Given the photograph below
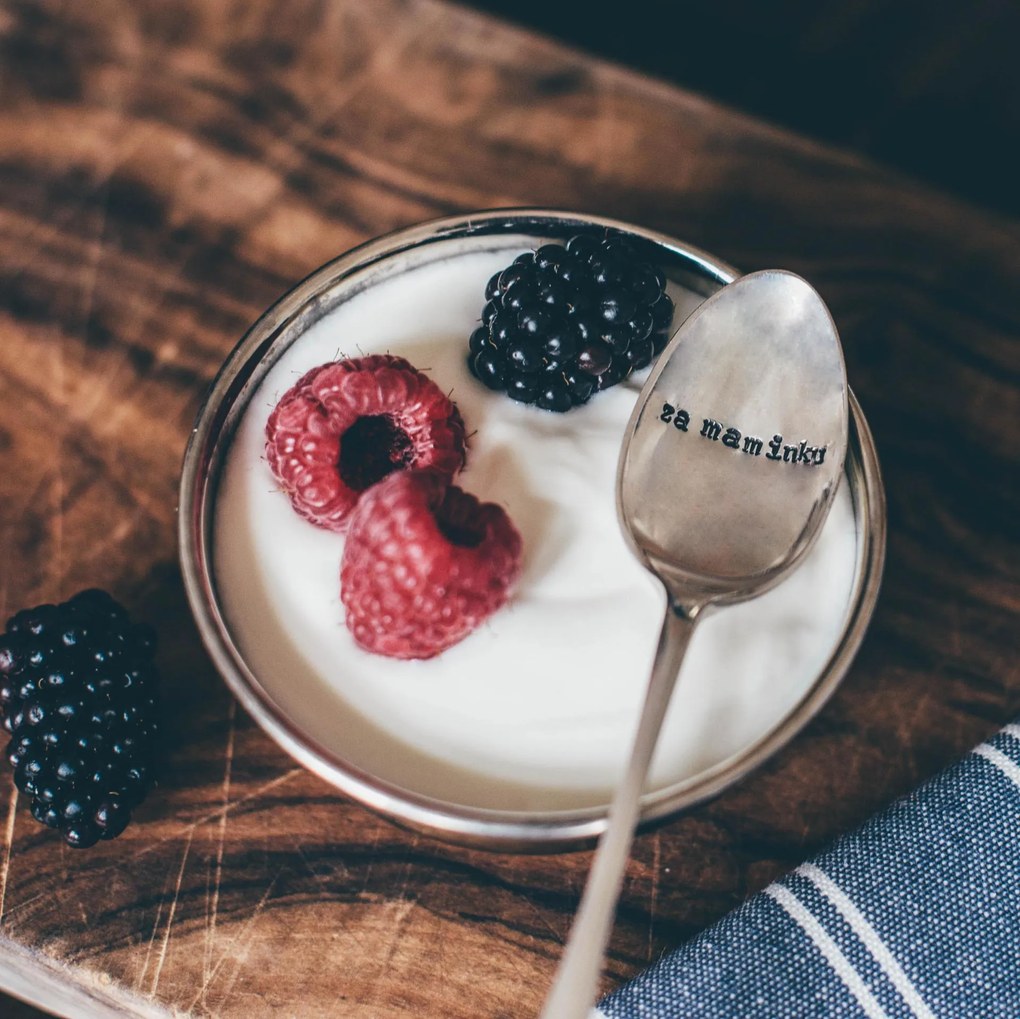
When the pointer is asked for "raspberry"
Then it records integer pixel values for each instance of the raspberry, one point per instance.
(424, 564)
(563, 323)
(79, 697)
(347, 424)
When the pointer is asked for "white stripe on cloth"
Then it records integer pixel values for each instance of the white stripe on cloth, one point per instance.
(869, 936)
(833, 956)
(1012, 730)
(1009, 768)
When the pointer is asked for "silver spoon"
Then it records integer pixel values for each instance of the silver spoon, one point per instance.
(729, 465)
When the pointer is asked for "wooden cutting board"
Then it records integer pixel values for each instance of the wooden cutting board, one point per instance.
(167, 171)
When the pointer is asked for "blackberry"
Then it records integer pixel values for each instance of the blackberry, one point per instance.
(78, 691)
(567, 321)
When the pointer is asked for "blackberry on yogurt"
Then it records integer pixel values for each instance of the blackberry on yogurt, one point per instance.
(79, 699)
(566, 321)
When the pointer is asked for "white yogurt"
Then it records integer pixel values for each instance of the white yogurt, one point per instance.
(535, 710)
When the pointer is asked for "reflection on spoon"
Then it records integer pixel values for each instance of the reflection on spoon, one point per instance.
(728, 468)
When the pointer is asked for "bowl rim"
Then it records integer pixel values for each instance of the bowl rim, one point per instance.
(481, 827)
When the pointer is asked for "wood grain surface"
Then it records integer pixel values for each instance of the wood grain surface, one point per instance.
(931, 87)
(166, 171)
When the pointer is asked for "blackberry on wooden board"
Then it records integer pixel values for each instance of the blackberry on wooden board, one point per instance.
(79, 695)
(566, 321)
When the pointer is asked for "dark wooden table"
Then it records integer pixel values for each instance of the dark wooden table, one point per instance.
(166, 171)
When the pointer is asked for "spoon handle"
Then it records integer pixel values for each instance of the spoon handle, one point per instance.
(576, 981)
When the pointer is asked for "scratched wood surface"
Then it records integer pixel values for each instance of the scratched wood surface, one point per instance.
(166, 172)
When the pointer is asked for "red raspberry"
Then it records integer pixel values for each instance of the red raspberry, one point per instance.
(345, 425)
(424, 564)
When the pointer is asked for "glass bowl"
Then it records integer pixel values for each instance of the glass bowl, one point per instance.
(424, 748)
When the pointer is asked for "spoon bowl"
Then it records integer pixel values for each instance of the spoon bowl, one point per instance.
(735, 449)
(729, 465)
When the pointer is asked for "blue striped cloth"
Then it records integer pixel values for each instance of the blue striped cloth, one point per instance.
(917, 913)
